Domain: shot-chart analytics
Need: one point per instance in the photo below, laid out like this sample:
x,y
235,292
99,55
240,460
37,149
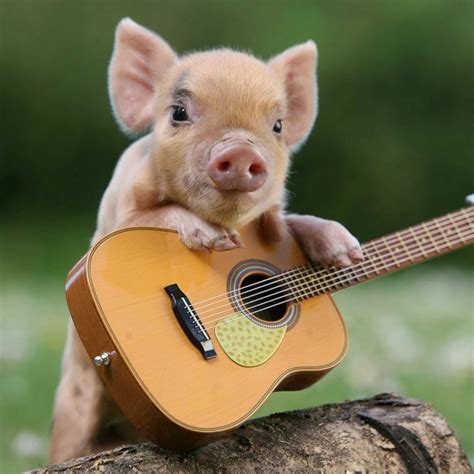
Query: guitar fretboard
x,y
386,254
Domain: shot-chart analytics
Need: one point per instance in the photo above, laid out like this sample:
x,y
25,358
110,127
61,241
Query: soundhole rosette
x,y
257,293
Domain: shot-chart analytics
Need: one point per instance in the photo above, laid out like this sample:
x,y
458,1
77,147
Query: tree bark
x,y
386,433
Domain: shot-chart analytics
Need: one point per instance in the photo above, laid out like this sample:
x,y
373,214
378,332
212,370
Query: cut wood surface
x,y
385,433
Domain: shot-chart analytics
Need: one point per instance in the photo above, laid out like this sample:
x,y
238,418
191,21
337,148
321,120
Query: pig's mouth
x,y
228,207
233,193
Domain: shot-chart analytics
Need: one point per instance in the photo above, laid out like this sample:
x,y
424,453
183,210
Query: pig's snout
x,y
237,167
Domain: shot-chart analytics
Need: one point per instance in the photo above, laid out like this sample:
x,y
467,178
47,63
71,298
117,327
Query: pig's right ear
x,y
139,61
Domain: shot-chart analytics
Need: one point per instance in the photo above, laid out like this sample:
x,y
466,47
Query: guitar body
x,y
190,344
159,378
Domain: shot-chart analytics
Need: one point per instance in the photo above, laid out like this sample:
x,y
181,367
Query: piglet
x,y
220,127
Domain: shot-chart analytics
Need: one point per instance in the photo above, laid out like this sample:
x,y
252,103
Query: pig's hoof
x,y
326,242
333,245
209,237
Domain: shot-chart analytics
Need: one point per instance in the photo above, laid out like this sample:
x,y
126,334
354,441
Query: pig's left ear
x,y
297,69
139,62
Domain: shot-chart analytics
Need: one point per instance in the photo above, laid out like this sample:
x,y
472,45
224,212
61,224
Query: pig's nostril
x,y
224,166
256,169
237,167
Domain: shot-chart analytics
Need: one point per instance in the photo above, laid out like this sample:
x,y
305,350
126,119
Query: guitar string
x,y
391,237
372,250
367,246
420,229
287,273
374,257
242,315
404,252
277,304
330,286
459,215
321,289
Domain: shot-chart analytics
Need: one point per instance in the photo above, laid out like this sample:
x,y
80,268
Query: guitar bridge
x,y
190,322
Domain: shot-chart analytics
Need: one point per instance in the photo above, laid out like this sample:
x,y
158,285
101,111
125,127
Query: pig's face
x,y
218,139
222,122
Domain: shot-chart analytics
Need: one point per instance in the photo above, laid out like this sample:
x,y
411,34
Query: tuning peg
x,y
470,199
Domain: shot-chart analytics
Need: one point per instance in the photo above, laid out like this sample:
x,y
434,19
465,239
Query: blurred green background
x,y
392,146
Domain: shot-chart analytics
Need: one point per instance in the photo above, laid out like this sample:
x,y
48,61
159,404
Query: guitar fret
x,y
290,285
306,282
311,281
381,257
464,214
343,277
378,256
302,282
395,261
455,228
441,231
336,277
352,277
347,274
427,231
417,241
358,276
346,277
319,283
297,287
368,261
327,283
397,234
356,273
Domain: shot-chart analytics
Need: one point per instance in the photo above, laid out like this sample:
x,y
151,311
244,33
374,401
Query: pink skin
x,y
237,165
325,242
194,232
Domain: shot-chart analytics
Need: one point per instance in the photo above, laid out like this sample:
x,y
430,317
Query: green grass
x,y
410,333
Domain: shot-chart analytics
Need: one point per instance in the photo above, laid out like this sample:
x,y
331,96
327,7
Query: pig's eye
x,y
277,128
179,114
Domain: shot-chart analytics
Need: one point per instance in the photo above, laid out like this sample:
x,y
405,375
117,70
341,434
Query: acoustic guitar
x,y
190,344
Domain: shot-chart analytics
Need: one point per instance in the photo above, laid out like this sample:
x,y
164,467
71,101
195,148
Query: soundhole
x,y
264,296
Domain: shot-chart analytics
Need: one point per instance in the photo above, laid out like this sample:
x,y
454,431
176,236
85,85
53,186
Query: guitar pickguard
x,y
247,343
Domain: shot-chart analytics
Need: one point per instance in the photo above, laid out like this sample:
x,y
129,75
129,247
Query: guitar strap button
x,y
102,359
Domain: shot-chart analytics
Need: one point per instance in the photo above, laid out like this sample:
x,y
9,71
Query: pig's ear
x,y
297,69
139,61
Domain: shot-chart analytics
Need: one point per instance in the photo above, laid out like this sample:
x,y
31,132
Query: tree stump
x,y
386,433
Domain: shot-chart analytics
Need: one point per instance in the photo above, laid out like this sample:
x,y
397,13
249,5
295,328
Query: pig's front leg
x,y
193,231
325,242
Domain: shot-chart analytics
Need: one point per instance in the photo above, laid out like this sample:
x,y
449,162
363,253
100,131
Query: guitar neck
x,y
387,254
